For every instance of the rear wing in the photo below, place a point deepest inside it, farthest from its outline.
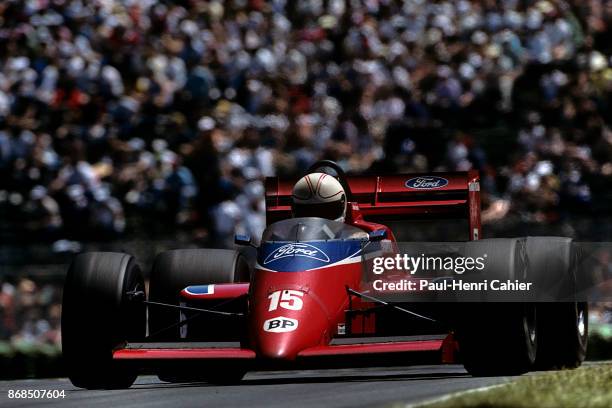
(402, 196)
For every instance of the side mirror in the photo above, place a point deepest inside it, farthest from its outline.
(377, 235)
(242, 240)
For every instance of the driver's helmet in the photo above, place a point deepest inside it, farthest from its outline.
(319, 195)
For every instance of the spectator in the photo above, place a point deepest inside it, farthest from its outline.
(116, 110)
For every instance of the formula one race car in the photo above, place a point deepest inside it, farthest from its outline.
(303, 302)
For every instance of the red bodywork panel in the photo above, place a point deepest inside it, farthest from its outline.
(364, 323)
(324, 301)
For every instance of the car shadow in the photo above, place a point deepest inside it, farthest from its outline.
(326, 379)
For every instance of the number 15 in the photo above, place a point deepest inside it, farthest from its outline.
(287, 299)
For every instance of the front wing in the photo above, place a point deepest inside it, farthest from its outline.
(372, 352)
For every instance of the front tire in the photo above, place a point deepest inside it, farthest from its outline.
(497, 338)
(564, 328)
(563, 325)
(98, 315)
(503, 341)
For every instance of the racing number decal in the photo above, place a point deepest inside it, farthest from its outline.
(287, 299)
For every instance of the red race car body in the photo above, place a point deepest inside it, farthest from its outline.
(306, 304)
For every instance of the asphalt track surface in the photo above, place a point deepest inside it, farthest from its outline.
(370, 387)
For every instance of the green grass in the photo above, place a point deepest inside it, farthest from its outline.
(589, 386)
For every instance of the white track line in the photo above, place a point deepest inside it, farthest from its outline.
(453, 395)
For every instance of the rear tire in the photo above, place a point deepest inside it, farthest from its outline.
(175, 270)
(98, 315)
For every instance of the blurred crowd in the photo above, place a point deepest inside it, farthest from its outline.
(175, 111)
(30, 312)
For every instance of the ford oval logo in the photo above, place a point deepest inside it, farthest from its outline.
(297, 249)
(426, 182)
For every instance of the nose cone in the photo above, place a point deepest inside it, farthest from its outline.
(281, 334)
(281, 347)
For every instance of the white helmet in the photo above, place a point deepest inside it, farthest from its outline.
(319, 195)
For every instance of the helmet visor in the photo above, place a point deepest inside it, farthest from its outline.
(331, 211)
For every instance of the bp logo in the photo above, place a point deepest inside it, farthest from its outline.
(426, 182)
(280, 325)
(297, 249)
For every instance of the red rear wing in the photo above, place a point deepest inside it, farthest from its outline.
(454, 195)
